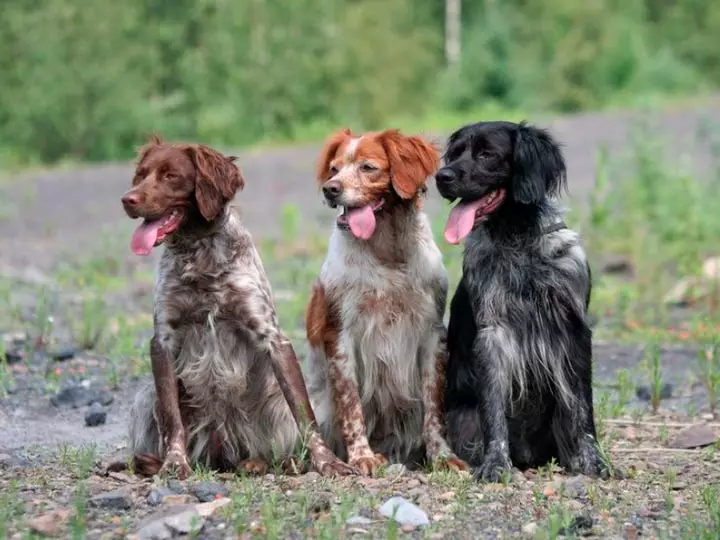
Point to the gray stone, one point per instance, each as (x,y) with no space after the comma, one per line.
(81,395)
(171,521)
(176,486)
(358,520)
(644,393)
(119,499)
(404,512)
(576,486)
(157,495)
(96,415)
(208,491)
(396,469)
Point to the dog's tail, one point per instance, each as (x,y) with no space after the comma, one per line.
(146,464)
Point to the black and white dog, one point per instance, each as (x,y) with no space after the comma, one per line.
(520,368)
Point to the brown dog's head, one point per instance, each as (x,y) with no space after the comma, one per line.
(368,173)
(175,183)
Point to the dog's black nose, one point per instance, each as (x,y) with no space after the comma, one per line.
(445,176)
(332,189)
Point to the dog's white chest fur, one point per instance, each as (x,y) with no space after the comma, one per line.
(389,317)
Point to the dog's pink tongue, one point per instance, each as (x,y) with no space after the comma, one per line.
(144,237)
(362,221)
(461,221)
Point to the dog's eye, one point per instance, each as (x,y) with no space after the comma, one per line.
(484,155)
(333,170)
(368,168)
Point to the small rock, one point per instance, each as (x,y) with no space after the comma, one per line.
(530,528)
(209,491)
(447,496)
(312,476)
(8,461)
(578,523)
(14,356)
(404,512)
(617,265)
(408,528)
(209,508)
(178,499)
(49,524)
(321,502)
(396,469)
(119,499)
(412,483)
(695,436)
(66,353)
(96,415)
(644,393)
(81,395)
(631,531)
(121,477)
(358,520)
(157,495)
(576,487)
(176,486)
(171,521)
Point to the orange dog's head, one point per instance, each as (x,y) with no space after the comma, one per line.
(371,173)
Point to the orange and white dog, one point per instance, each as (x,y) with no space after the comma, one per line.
(375,319)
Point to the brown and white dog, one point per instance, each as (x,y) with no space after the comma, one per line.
(375,319)
(227,389)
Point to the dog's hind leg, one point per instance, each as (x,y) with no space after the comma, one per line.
(464,431)
(143,435)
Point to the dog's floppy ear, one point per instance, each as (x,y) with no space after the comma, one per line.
(218,179)
(412,160)
(538,166)
(322,169)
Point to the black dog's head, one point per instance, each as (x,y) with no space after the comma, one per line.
(492,165)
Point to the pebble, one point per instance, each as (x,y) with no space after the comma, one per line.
(66,353)
(14,356)
(96,415)
(49,524)
(644,393)
(209,491)
(358,520)
(81,395)
(169,522)
(9,461)
(578,523)
(404,512)
(119,499)
(576,486)
(312,476)
(396,469)
(178,499)
(530,528)
(157,495)
(176,486)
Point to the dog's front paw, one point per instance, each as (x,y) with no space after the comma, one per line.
(450,463)
(337,467)
(495,468)
(176,464)
(368,465)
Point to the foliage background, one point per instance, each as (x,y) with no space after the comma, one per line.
(88,80)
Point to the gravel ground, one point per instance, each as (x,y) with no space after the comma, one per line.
(54,476)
